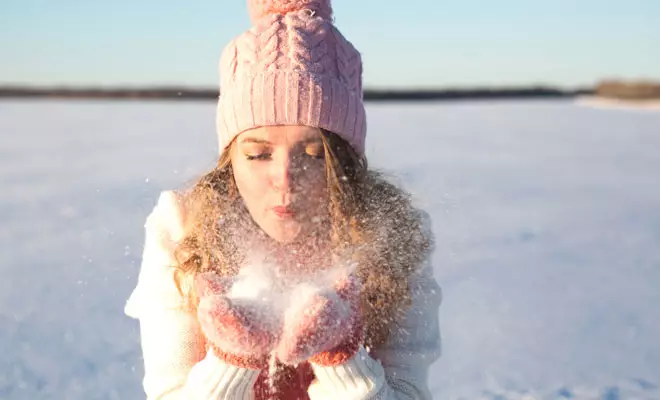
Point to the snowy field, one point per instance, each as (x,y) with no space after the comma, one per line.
(547,216)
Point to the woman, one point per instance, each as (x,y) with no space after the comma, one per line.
(291,191)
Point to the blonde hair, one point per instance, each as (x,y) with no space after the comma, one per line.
(370,218)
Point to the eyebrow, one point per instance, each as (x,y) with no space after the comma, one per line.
(255,140)
(264,141)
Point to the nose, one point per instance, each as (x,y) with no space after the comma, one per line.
(282,174)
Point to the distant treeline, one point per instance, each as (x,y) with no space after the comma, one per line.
(629,90)
(633,90)
(115,93)
(210,94)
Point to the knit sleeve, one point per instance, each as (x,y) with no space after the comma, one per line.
(399,369)
(176,363)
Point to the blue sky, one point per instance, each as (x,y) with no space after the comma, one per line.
(414,43)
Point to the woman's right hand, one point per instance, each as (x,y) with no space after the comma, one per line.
(236,332)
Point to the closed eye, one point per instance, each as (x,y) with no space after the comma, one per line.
(258,157)
(315,150)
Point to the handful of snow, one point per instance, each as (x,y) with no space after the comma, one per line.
(274,295)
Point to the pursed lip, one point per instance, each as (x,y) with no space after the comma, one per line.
(283,211)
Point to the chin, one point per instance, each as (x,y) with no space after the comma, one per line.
(285,233)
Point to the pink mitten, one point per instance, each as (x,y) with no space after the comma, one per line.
(236,332)
(325,329)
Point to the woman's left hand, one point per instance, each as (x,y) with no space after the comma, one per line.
(326,329)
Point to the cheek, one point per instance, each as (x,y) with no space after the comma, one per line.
(315,182)
(249,181)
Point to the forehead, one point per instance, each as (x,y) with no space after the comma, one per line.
(281,134)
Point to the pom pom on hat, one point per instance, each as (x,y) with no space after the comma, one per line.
(261,8)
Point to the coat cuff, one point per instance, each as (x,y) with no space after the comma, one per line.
(359,377)
(213,378)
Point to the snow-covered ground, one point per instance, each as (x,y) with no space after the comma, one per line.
(547,216)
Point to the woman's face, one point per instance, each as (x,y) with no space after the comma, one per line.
(280,174)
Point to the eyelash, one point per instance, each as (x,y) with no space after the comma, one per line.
(259,157)
(266,156)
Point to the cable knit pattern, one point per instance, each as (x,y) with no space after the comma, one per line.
(306,41)
(293,67)
(177,364)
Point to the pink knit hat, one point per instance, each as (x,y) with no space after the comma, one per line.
(293,67)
